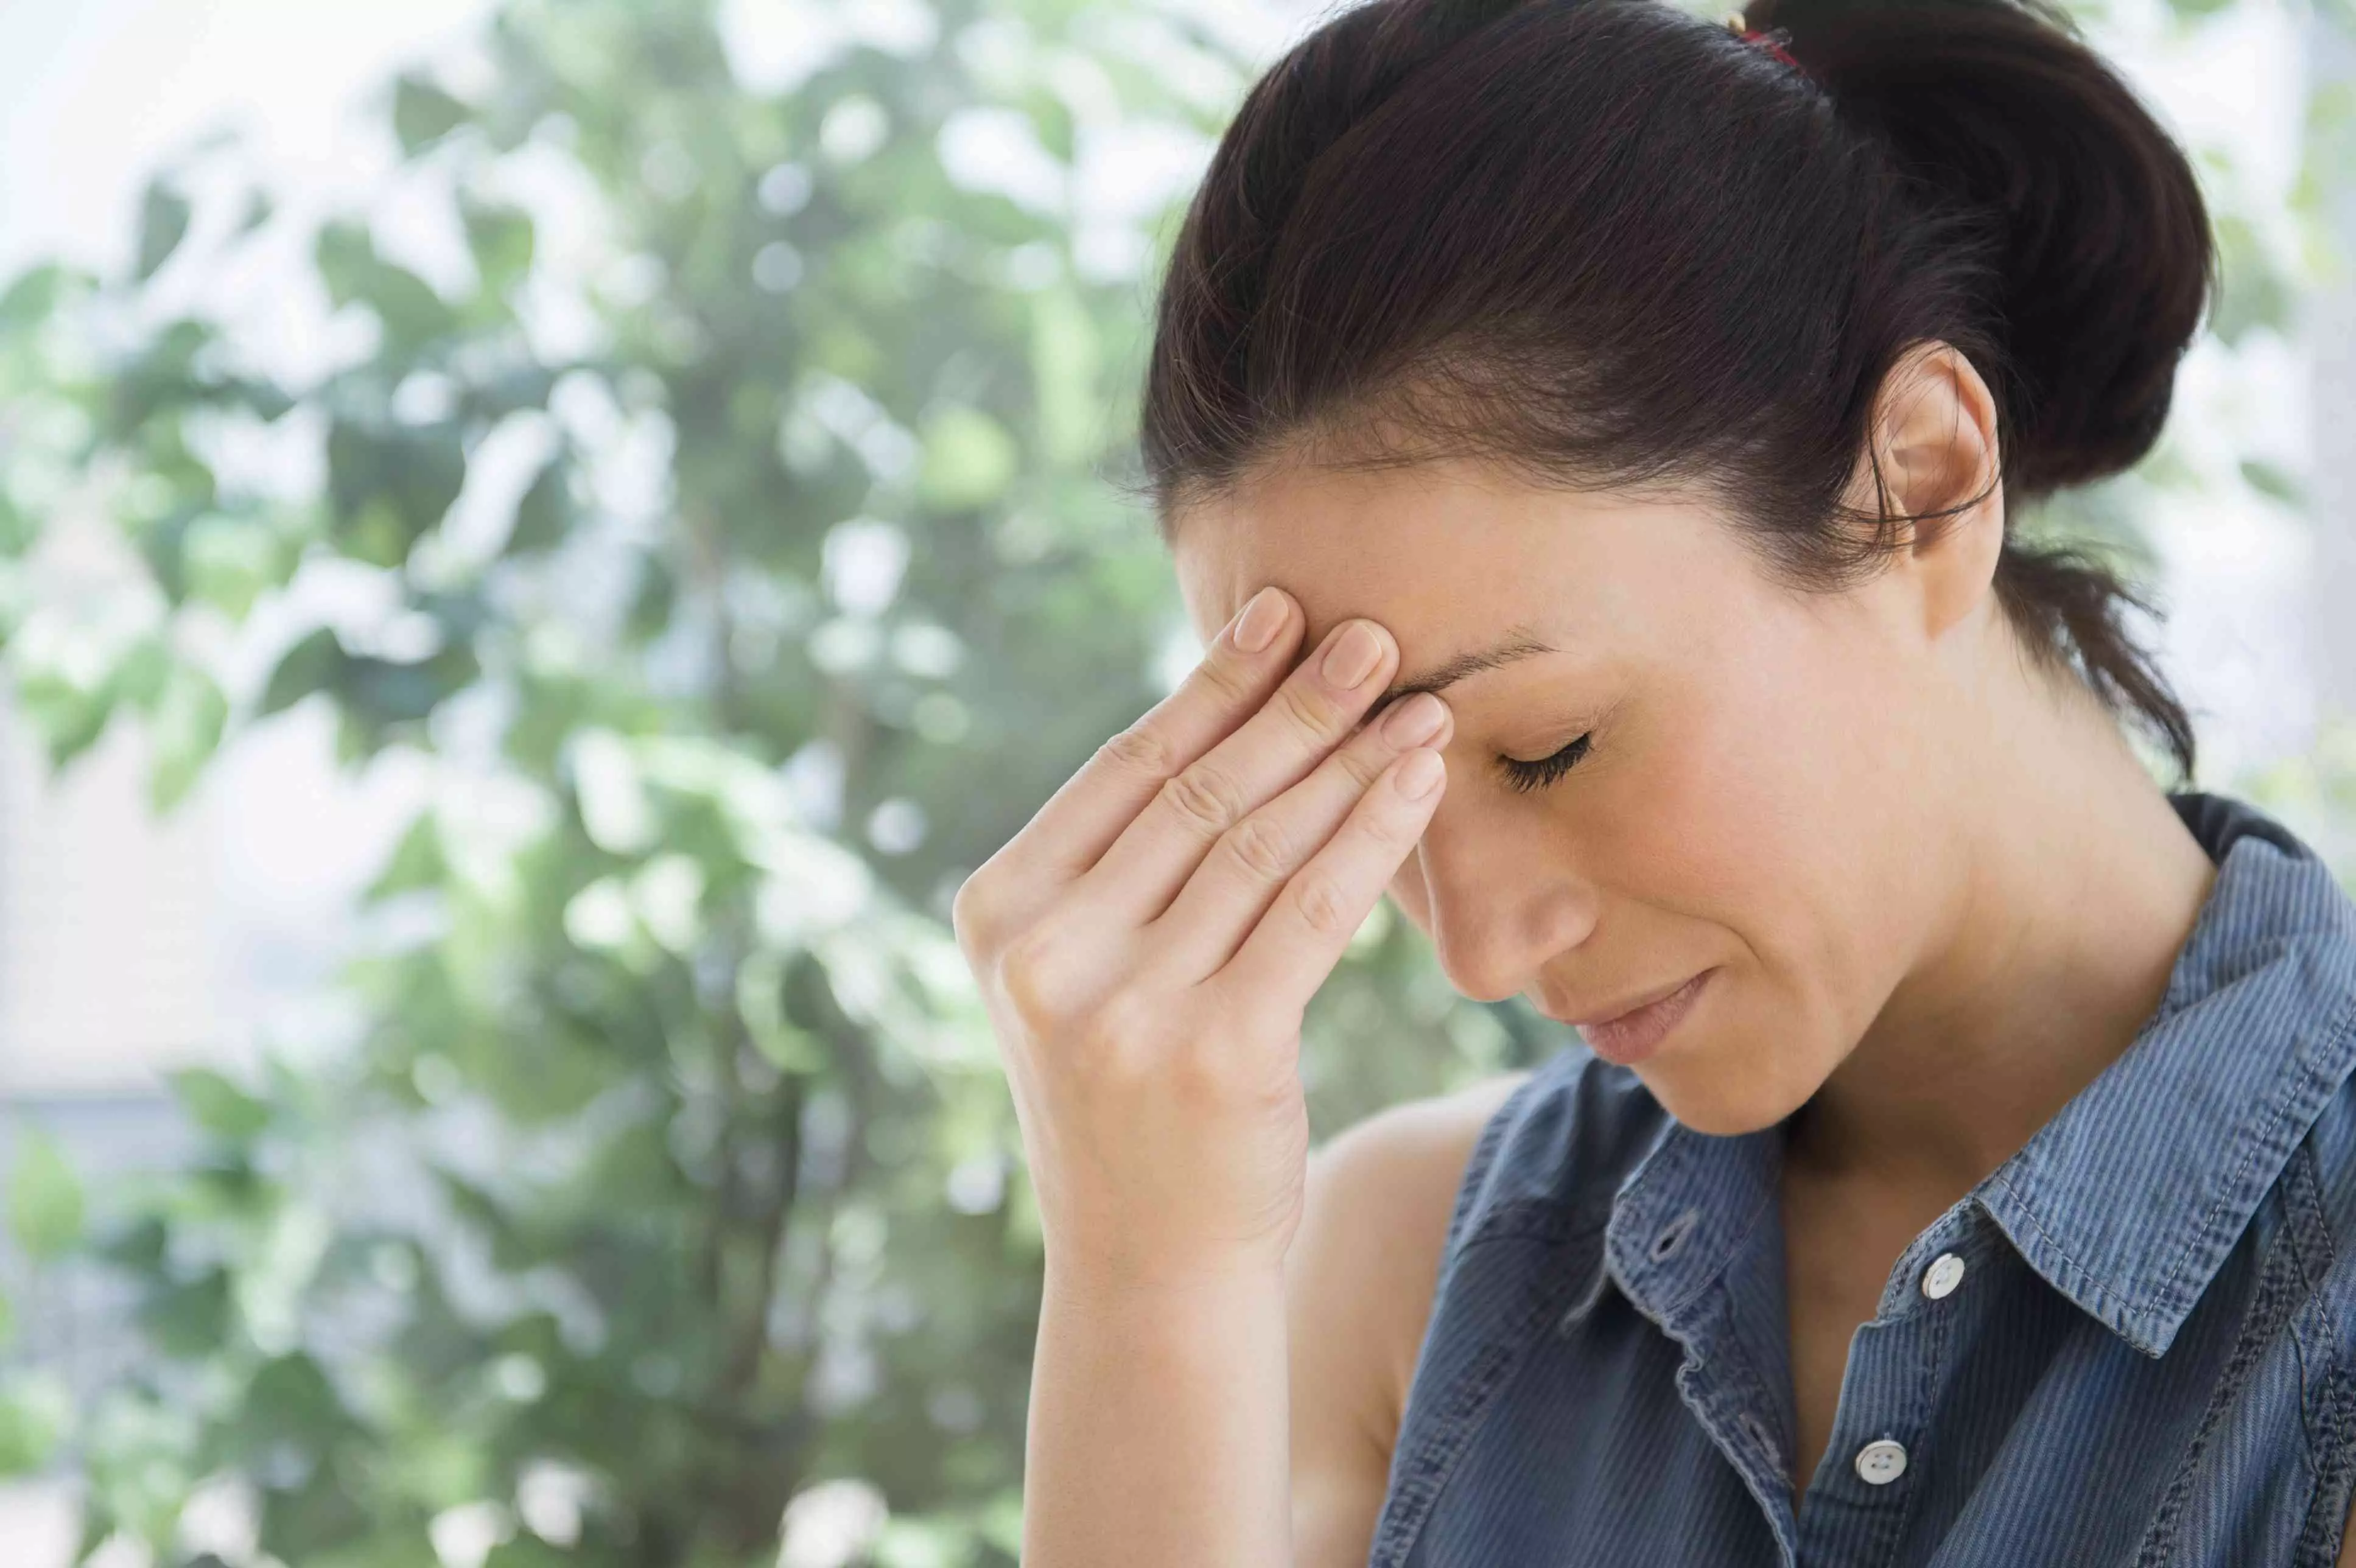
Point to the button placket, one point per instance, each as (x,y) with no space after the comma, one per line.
(1886,1394)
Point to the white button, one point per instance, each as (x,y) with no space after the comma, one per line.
(1881,1462)
(1945,1273)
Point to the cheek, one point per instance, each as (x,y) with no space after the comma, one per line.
(1758,801)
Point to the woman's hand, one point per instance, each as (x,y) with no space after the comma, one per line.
(1148,944)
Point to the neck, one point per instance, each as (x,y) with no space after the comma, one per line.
(2077,886)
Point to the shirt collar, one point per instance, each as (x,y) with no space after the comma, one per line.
(2256,1030)
(2196,1119)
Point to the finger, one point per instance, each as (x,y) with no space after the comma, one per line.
(1071,832)
(1301,939)
(1243,873)
(1314,711)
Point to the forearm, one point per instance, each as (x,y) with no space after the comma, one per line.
(1157,1430)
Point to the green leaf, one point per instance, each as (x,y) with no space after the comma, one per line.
(33,296)
(162,378)
(229,561)
(219,1107)
(311,665)
(424,113)
(383,692)
(2255,292)
(912,1543)
(388,1545)
(139,675)
(2270,479)
(761,1002)
(289,1400)
(344,254)
(267,400)
(163,224)
(388,488)
(412,312)
(416,862)
(190,1320)
(34,1413)
(1065,354)
(69,718)
(501,239)
(186,731)
(545,511)
(968,459)
(479,1211)
(45,1197)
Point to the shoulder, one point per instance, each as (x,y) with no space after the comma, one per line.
(1390,1196)
(1358,1285)
(1374,1223)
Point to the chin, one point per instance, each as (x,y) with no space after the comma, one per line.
(1713,1090)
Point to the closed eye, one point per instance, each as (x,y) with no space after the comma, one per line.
(1526,776)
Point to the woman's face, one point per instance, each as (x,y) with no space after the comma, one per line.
(1764,775)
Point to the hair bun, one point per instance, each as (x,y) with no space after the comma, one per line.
(2101,256)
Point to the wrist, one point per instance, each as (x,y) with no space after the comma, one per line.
(1135,1290)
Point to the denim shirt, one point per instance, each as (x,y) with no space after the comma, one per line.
(2132,1343)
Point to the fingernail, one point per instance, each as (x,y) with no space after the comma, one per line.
(1257,626)
(1415,719)
(1420,775)
(1353,657)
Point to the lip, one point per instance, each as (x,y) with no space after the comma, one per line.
(1637,1029)
(1631,1006)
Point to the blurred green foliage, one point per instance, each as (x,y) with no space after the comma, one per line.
(736,499)
(675,1172)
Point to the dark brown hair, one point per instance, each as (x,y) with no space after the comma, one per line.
(1607,243)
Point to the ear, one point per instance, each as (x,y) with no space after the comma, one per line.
(1936,439)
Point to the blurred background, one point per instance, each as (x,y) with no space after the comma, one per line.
(539,539)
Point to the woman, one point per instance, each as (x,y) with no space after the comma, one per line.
(1959,1161)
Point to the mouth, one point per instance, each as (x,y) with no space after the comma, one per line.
(1618,1010)
(1635,1028)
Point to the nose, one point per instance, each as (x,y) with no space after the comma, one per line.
(1499,902)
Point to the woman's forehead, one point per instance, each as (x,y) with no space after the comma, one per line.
(1423,585)
(1451,538)
(1343,545)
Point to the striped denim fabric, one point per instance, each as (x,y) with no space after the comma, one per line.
(2134,1343)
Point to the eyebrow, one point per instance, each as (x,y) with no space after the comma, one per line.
(1518,643)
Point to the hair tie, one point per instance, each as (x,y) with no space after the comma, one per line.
(1770,40)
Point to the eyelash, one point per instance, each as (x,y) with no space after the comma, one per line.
(1526,776)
